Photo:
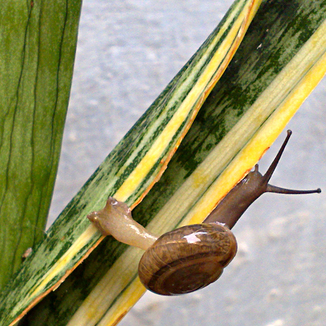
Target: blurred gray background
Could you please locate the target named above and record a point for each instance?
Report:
(127, 53)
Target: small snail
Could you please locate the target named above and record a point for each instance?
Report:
(27, 253)
(193, 256)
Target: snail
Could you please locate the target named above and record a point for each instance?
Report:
(193, 256)
(27, 253)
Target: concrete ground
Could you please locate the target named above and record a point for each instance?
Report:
(127, 52)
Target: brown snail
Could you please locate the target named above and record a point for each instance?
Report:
(190, 257)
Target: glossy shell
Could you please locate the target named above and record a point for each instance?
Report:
(187, 259)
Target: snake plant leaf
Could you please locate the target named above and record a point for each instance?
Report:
(280, 61)
(131, 170)
(37, 51)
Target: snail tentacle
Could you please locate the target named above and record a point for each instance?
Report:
(251, 187)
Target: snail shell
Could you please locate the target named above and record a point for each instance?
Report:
(187, 259)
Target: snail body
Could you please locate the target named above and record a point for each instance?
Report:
(190, 257)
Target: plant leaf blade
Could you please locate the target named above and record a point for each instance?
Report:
(72, 238)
